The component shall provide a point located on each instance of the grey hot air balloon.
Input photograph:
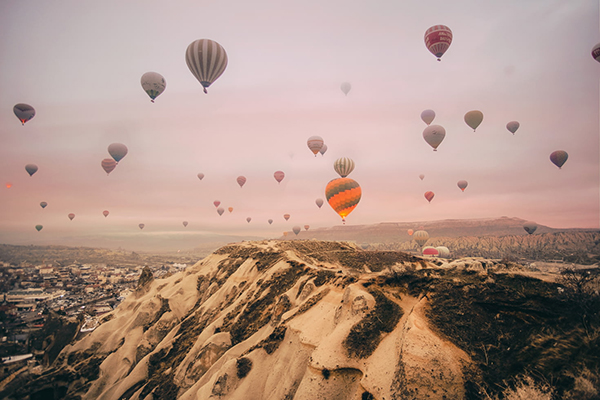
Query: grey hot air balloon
(346, 86)
(559, 158)
(512, 126)
(319, 202)
(154, 84)
(296, 230)
(141, 226)
(428, 116)
(43, 204)
(31, 169)
(207, 60)
(474, 118)
(24, 112)
(185, 223)
(434, 135)
(530, 227)
(38, 227)
(117, 151)
(462, 184)
(248, 219)
(270, 221)
(323, 149)
(220, 210)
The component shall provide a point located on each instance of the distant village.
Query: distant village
(29, 293)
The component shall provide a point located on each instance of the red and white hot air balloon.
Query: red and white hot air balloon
(437, 39)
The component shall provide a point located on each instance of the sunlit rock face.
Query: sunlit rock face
(296, 320)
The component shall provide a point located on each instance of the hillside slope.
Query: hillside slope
(320, 320)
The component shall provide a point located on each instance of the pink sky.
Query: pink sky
(79, 64)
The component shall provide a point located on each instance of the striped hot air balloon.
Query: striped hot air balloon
(421, 237)
(343, 195)
(108, 165)
(241, 180)
(315, 143)
(207, 60)
(437, 39)
(343, 166)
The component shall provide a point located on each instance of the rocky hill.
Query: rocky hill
(328, 320)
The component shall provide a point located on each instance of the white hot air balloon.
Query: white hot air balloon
(315, 143)
(428, 116)
(346, 86)
(154, 84)
(434, 135)
(343, 166)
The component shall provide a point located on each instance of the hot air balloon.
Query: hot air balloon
(319, 202)
(462, 185)
(306, 227)
(207, 60)
(421, 177)
(248, 219)
(117, 151)
(241, 180)
(285, 233)
(343, 166)
(429, 196)
(437, 40)
(71, 216)
(279, 175)
(200, 176)
(141, 226)
(430, 251)
(512, 126)
(433, 135)
(31, 169)
(43, 204)
(296, 230)
(323, 149)
(346, 87)
(286, 216)
(343, 195)
(474, 118)
(596, 52)
(105, 213)
(230, 209)
(443, 251)
(428, 116)
(270, 221)
(315, 143)
(530, 227)
(220, 210)
(24, 112)
(108, 164)
(38, 227)
(154, 84)
(421, 237)
(559, 158)
(185, 223)
(410, 232)
(8, 185)
(216, 203)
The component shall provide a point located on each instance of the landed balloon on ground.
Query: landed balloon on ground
(530, 227)
(428, 116)
(474, 118)
(437, 40)
(207, 60)
(512, 126)
(24, 112)
(443, 251)
(38, 227)
(343, 166)
(319, 202)
(434, 135)
(296, 230)
(108, 165)
(346, 86)
(31, 169)
(315, 143)
(43, 204)
(241, 180)
(462, 185)
(117, 151)
(421, 237)
(430, 251)
(429, 196)
(343, 195)
(559, 158)
(279, 175)
(154, 84)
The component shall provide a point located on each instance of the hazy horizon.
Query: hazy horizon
(79, 65)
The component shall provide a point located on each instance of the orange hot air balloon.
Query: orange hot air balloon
(429, 196)
(71, 216)
(343, 195)
(410, 232)
(241, 180)
(105, 213)
(286, 216)
(216, 203)
(279, 175)
(8, 185)
(230, 209)
(306, 227)
(108, 165)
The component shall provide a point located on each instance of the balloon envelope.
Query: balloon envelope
(230, 209)
(346, 86)
(343, 195)
(216, 203)
(462, 185)
(248, 219)
(108, 165)
(319, 202)
(429, 196)
(343, 166)
(323, 149)
(421, 177)
(474, 118)
(117, 151)
(286, 216)
(24, 112)
(105, 213)
(185, 223)
(154, 84)
(433, 135)
(141, 226)
(530, 227)
(200, 176)
(430, 251)
(43, 204)
(270, 221)
(71, 216)
(421, 237)
(437, 40)
(279, 175)
(38, 227)
(207, 60)
(296, 230)
(220, 210)
(512, 126)
(428, 116)
(241, 180)
(410, 232)
(306, 227)
(315, 143)
(31, 169)
(559, 158)
(596, 52)
(443, 251)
